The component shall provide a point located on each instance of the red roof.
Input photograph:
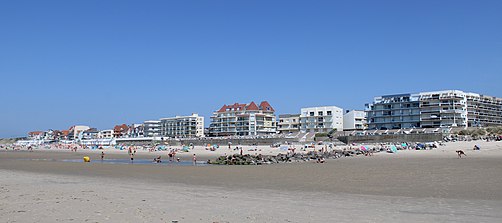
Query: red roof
(35, 133)
(120, 128)
(253, 107)
(235, 107)
(265, 106)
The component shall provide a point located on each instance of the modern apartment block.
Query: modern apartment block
(321, 119)
(437, 109)
(289, 123)
(243, 119)
(483, 110)
(182, 126)
(443, 109)
(354, 120)
(151, 128)
(394, 112)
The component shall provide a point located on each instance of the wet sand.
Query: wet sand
(414, 185)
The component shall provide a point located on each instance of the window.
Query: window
(320, 113)
(311, 113)
(329, 112)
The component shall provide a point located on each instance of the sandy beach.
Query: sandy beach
(412, 186)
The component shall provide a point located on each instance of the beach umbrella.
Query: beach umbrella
(363, 148)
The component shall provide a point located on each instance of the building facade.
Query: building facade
(243, 120)
(321, 119)
(354, 120)
(75, 132)
(394, 112)
(289, 123)
(105, 134)
(436, 109)
(151, 128)
(182, 126)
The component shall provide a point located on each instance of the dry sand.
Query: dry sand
(411, 186)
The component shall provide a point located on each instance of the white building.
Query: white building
(289, 123)
(105, 134)
(91, 133)
(243, 119)
(354, 120)
(321, 119)
(76, 131)
(436, 109)
(151, 128)
(182, 126)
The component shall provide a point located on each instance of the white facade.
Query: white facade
(436, 109)
(183, 126)
(354, 120)
(105, 134)
(243, 120)
(321, 119)
(75, 131)
(151, 128)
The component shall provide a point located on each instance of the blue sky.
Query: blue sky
(101, 63)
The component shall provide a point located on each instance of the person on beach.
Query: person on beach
(170, 156)
(132, 157)
(194, 160)
(102, 155)
(157, 160)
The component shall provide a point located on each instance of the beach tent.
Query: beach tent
(185, 149)
(393, 149)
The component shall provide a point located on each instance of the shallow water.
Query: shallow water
(128, 161)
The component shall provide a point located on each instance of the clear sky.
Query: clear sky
(102, 63)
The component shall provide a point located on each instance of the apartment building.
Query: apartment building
(105, 134)
(483, 110)
(321, 119)
(243, 120)
(91, 133)
(182, 126)
(443, 109)
(394, 112)
(354, 120)
(151, 128)
(76, 131)
(289, 123)
(436, 109)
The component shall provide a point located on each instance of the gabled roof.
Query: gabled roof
(120, 128)
(252, 107)
(35, 133)
(265, 106)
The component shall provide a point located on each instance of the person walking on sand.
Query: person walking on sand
(194, 160)
(132, 157)
(102, 155)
